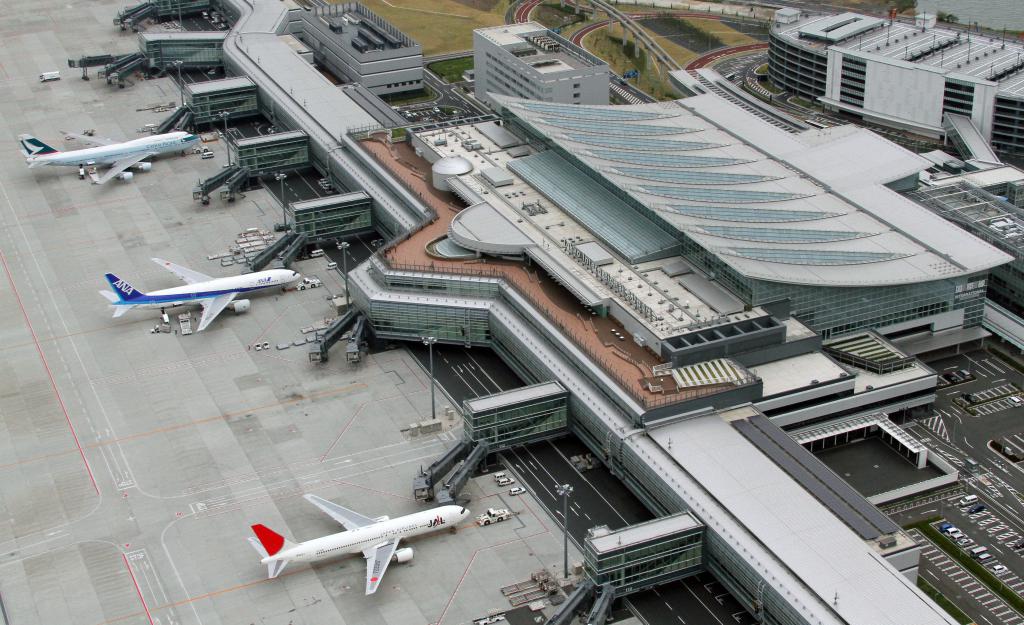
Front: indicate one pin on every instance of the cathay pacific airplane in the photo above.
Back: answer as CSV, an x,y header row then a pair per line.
x,y
376,539
105,152
213,294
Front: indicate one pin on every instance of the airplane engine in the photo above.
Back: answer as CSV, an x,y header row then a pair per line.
x,y
142,166
402,555
125,175
240,306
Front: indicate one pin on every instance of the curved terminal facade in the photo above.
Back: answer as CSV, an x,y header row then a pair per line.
x,y
906,75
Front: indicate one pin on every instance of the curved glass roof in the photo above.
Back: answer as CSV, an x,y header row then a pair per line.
x,y
719,195
632,143
574,111
691,177
664,160
746,215
782,235
623,130
814,257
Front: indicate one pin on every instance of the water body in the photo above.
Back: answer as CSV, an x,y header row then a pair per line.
x,y
995,14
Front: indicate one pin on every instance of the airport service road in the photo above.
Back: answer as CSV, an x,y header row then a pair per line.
x,y
961,587
696,600
465,373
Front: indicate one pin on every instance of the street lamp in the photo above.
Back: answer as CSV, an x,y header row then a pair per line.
x,y
343,246
429,342
181,85
224,115
280,177
564,491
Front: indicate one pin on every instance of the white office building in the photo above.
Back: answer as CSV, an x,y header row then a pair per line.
x,y
530,61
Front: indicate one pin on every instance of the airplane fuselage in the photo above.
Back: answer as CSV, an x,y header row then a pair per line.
x,y
169,143
194,293
354,541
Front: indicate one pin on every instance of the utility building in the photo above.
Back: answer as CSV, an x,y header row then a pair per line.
x,y
530,61
208,100
196,50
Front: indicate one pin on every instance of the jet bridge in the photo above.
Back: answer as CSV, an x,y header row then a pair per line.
x,y
234,184
130,17
274,250
172,121
99,60
357,341
123,66
451,489
334,333
423,484
203,190
566,612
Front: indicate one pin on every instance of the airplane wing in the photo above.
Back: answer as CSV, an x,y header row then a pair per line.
x,y
120,166
93,141
349,520
188,276
377,560
213,307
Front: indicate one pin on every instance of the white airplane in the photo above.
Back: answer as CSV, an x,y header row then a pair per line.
x,y
214,294
105,152
376,539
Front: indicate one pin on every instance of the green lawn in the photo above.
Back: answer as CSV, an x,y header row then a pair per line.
x,y
410,97
451,70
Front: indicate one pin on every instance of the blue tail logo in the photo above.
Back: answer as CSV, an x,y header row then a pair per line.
x,y
30,146
125,292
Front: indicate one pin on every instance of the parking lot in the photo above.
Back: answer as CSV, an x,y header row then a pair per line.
x,y
961,587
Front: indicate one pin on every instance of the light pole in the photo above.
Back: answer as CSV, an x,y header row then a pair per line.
x,y
280,177
224,115
343,246
429,342
564,491
178,63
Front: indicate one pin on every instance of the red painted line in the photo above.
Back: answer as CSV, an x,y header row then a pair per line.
x,y
49,374
137,589
343,430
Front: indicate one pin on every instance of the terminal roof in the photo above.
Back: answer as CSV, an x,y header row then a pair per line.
x,y
809,208
213,86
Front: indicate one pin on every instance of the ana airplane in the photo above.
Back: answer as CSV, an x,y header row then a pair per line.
x,y
214,294
105,152
376,539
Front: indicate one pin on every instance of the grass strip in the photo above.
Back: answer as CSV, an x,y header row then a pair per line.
x,y
943,601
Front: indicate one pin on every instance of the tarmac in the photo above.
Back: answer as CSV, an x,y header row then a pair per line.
x,y
133,463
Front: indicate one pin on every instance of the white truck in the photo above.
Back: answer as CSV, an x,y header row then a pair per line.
x,y
494,515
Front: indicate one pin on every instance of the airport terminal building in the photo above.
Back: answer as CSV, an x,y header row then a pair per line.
x,y
683,271
907,75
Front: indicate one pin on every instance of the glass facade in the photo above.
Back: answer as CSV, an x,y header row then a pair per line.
x,y
200,52
643,555
272,153
174,8
238,102
448,323
327,219
516,422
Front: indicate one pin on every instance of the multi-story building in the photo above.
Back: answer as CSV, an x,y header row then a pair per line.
x,y
530,61
906,75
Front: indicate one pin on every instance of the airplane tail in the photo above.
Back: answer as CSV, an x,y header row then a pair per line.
x,y
31,146
119,309
122,290
269,544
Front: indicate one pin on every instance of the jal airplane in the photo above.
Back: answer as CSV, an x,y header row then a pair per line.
x,y
213,294
376,539
107,153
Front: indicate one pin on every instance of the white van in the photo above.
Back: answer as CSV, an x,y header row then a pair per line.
x,y
48,76
505,481
967,501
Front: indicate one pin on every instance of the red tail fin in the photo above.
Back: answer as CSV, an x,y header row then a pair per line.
x,y
271,540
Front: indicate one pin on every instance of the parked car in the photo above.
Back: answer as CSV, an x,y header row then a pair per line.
x,y
1000,569
516,490
945,526
975,509
952,377
969,500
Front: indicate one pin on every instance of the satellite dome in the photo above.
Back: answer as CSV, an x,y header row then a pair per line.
x,y
446,168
